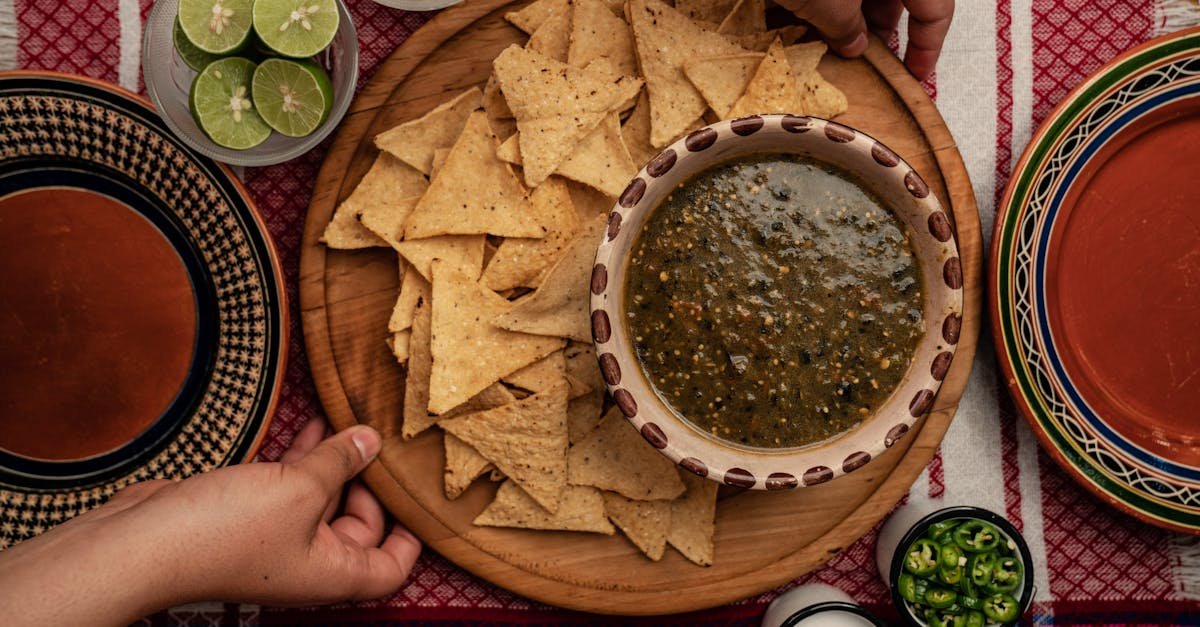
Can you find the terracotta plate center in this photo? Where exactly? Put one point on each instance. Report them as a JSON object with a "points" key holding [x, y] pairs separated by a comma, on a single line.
{"points": [[97, 323]]}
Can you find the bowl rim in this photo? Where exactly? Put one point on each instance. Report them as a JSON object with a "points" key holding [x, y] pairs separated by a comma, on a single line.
{"points": [[1024, 600], [248, 158], [761, 468]]}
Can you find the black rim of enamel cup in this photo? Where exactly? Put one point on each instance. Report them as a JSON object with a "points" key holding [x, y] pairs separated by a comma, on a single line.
{"points": [[831, 606], [961, 511]]}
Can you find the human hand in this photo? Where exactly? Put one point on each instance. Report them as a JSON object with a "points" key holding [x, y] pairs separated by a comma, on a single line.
{"points": [[266, 533], [844, 25]]}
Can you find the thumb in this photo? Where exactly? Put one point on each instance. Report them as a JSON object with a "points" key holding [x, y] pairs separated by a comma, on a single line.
{"points": [[342, 456]]}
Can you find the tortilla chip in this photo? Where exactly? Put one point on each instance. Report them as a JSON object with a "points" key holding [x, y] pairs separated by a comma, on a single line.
{"points": [[581, 509], [474, 193], [583, 415], [772, 89], [600, 161], [412, 286], [596, 33], [525, 439], [552, 38], [541, 375], [439, 157], [666, 40], [722, 80], [747, 17], [645, 523], [468, 353], [462, 252], [386, 220], [414, 142], [692, 518], [531, 17], [589, 202], [705, 10], [463, 465], [420, 365], [582, 365], [817, 96], [388, 181], [556, 106], [398, 342], [636, 133], [494, 103], [615, 457], [560, 306]]}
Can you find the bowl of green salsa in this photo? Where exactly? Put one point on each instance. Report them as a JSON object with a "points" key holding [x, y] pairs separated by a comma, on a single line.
{"points": [[776, 301]]}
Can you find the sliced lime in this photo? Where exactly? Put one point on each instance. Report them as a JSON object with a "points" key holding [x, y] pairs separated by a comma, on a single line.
{"points": [[296, 28], [216, 26], [293, 97], [194, 57], [223, 107]]}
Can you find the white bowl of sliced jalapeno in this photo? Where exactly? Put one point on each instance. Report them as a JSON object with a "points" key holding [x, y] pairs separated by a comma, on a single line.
{"points": [[956, 567]]}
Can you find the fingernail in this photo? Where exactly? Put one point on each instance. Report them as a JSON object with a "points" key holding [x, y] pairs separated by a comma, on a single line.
{"points": [[367, 442], [855, 47]]}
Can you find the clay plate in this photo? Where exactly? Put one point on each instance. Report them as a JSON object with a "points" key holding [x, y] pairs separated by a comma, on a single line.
{"points": [[1095, 282]]}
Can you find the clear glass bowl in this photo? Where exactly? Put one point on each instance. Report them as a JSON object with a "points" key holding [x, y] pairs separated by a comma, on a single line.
{"points": [[168, 80]]}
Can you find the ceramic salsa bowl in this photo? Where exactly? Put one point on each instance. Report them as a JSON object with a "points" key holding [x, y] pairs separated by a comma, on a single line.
{"points": [[879, 170]]}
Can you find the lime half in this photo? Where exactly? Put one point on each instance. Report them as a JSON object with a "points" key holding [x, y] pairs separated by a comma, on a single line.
{"points": [[216, 26], [293, 97], [223, 107], [194, 57], [296, 28]]}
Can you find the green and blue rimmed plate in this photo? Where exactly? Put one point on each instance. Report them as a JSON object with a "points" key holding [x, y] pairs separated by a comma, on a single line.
{"points": [[1095, 282], [143, 325]]}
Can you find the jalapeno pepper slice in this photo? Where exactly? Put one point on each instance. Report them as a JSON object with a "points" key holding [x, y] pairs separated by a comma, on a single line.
{"points": [[940, 598], [950, 555], [979, 567], [974, 619], [922, 558], [950, 576], [1000, 608], [906, 585], [976, 536], [1006, 575], [937, 529]]}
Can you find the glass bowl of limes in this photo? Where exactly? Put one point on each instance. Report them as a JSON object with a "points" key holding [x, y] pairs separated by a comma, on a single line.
{"points": [[250, 82]]}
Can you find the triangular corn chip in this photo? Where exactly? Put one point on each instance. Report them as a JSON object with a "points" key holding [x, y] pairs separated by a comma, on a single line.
{"points": [[463, 465], [469, 354], [399, 343], [636, 132], [521, 262], [420, 365], [772, 89], [615, 457], [722, 80], [582, 365], [596, 33], [413, 287], [462, 252], [388, 181], [474, 193], [439, 157], [692, 517], [583, 415], [532, 16], [494, 103], [666, 39], [581, 509], [559, 307], [600, 161], [556, 106], [525, 439], [747, 17], [589, 202], [387, 219], [817, 96], [645, 523], [541, 375], [553, 37], [414, 142]]}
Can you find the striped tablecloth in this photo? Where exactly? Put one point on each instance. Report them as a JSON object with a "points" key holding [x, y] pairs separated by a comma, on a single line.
{"points": [[1005, 66]]}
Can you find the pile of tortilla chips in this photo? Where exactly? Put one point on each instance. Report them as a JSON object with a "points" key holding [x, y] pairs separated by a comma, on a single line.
{"points": [[495, 202]]}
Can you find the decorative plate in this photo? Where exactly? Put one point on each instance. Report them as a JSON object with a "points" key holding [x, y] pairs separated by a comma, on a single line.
{"points": [[142, 315], [1095, 282]]}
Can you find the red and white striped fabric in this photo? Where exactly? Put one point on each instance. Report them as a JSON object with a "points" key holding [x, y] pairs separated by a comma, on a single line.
{"points": [[1006, 64]]}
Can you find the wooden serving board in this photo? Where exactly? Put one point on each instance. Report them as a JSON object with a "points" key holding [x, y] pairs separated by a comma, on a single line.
{"points": [[762, 539]]}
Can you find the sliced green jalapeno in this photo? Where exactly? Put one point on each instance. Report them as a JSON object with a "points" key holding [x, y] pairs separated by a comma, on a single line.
{"points": [[950, 576], [1000, 608], [940, 598], [922, 558], [979, 566], [1006, 575], [950, 555], [906, 585], [975, 619], [936, 530], [976, 536]]}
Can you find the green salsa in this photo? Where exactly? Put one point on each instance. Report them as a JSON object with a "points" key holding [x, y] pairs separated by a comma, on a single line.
{"points": [[773, 302]]}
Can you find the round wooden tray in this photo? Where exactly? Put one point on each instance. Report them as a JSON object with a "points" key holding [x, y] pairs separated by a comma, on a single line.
{"points": [[762, 539]]}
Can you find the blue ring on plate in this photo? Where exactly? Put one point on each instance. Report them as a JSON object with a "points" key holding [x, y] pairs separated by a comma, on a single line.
{"points": [[1165, 97]]}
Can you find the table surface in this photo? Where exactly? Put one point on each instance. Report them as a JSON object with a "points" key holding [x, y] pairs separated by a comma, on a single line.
{"points": [[1005, 65]]}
